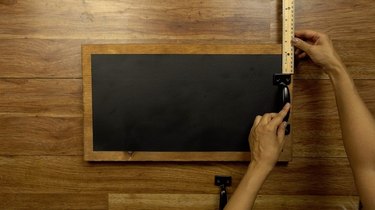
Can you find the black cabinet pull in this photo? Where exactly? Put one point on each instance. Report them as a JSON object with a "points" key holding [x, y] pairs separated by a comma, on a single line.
{"points": [[282, 81], [223, 182]]}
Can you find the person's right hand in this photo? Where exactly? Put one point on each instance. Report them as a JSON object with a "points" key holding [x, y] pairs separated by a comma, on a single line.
{"points": [[319, 48], [266, 138]]}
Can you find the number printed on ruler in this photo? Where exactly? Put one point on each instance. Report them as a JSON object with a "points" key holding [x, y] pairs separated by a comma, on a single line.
{"points": [[288, 34]]}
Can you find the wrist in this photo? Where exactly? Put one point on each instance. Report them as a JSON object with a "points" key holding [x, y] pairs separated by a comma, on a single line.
{"points": [[339, 76], [260, 167], [336, 70]]}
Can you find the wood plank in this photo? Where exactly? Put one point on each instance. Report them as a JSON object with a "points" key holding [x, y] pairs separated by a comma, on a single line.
{"points": [[41, 96], [342, 19], [258, 49], [163, 201], [356, 54], [297, 202], [276, 20], [319, 137], [166, 156], [61, 58], [316, 98], [211, 201], [161, 19], [36, 58], [40, 135], [198, 20], [318, 176], [53, 201], [70, 174], [316, 129]]}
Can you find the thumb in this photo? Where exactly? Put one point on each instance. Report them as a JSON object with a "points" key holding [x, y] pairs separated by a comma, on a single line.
{"points": [[281, 132], [299, 43]]}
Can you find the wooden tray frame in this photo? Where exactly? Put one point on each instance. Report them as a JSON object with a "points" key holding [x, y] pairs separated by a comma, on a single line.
{"points": [[91, 155]]}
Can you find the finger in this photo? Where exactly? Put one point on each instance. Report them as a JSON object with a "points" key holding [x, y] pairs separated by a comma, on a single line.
{"points": [[297, 51], [272, 115], [281, 132], [302, 55], [278, 119], [267, 118], [257, 120], [304, 46], [299, 54], [307, 34], [255, 124]]}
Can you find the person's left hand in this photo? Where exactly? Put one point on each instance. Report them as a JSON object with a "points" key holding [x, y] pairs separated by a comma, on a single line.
{"points": [[267, 138]]}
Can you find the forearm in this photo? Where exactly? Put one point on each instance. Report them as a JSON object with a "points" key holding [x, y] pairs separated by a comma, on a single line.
{"points": [[266, 139], [358, 133], [357, 122], [246, 192]]}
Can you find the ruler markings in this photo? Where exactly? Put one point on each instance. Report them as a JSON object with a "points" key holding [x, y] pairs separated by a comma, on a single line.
{"points": [[288, 34]]}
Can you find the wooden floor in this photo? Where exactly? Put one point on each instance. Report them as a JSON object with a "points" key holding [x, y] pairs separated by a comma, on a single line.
{"points": [[41, 145]]}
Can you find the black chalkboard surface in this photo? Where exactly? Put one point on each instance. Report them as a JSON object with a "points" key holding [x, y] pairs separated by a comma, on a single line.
{"points": [[179, 102]]}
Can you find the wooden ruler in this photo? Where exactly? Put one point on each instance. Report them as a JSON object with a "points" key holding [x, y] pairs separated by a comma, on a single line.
{"points": [[288, 34]]}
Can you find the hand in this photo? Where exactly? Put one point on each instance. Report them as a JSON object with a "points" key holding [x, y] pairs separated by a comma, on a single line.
{"points": [[267, 138], [319, 48]]}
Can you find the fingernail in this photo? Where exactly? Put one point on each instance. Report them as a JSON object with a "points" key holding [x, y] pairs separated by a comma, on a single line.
{"points": [[294, 40], [285, 124], [287, 105]]}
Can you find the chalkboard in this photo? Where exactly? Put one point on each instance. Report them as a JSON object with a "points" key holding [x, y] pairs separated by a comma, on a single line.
{"points": [[179, 103]]}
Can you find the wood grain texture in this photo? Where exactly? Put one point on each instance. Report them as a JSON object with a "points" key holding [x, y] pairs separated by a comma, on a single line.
{"points": [[40, 135], [342, 19], [163, 201], [87, 50], [161, 19], [53, 201], [41, 96], [298, 202], [316, 95], [167, 156], [39, 58], [358, 56], [36, 58], [40, 120], [166, 201], [317, 130], [210, 201], [71, 174]]}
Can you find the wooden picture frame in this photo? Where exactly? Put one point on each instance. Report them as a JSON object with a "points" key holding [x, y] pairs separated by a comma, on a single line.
{"points": [[91, 155]]}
